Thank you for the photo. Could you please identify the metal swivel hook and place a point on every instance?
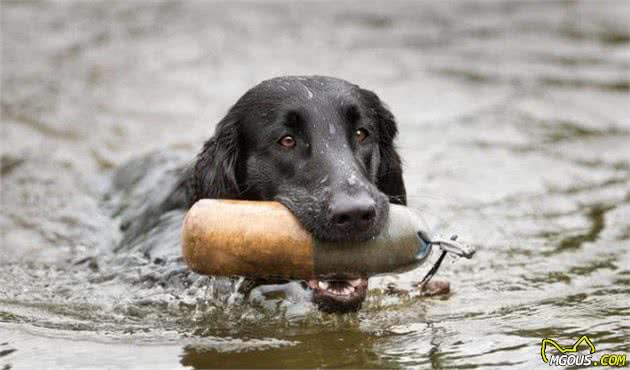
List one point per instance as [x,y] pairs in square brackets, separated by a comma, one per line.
[447,246]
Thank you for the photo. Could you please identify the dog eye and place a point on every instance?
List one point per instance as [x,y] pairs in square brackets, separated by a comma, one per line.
[362,134]
[287,142]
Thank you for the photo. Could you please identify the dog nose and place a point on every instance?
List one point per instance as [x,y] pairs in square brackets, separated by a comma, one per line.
[353,213]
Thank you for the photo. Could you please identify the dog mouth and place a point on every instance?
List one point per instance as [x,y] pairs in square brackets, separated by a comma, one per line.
[339,293]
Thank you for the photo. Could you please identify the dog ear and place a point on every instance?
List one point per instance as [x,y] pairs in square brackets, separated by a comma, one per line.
[214,174]
[389,174]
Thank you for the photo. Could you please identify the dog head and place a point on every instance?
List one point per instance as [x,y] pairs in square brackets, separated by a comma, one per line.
[321,146]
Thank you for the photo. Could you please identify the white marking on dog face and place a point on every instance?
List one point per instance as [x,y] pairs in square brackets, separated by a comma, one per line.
[308,92]
[352,180]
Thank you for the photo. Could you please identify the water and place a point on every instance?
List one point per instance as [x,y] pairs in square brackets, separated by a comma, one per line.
[515,131]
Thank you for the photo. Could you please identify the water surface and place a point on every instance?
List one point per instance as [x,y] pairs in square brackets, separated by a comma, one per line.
[514,128]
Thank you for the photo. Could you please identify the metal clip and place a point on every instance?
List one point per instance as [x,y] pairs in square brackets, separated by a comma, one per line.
[454,247]
[447,246]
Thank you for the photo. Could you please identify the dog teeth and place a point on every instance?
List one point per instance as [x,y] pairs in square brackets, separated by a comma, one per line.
[336,289]
[355,283]
[344,291]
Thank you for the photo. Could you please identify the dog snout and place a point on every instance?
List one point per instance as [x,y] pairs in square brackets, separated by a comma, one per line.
[352,214]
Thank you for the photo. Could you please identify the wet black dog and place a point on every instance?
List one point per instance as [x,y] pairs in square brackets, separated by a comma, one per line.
[321,146]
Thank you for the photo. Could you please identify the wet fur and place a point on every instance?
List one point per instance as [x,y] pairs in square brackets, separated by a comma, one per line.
[221,170]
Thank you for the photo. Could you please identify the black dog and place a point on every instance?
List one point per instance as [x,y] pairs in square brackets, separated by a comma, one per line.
[321,146]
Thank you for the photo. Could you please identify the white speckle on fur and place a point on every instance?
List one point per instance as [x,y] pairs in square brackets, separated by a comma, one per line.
[309,92]
[352,180]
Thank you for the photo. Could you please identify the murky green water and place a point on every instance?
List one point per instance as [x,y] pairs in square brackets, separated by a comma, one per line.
[515,129]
